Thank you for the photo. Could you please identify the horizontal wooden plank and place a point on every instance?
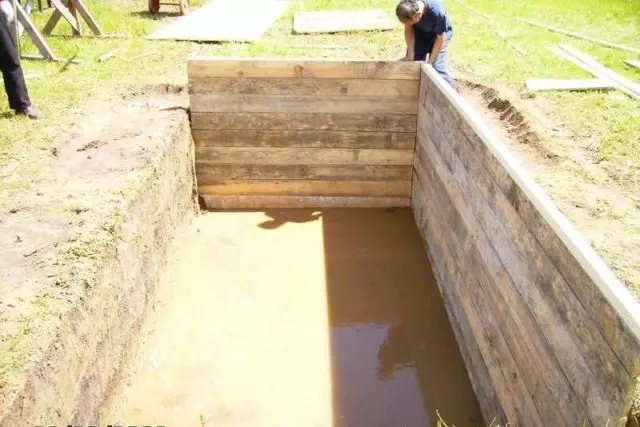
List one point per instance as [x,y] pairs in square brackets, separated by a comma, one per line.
[302,156]
[302,121]
[209,174]
[272,202]
[304,87]
[309,188]
[303,139]
[209,103]
[569,84]
[302,68]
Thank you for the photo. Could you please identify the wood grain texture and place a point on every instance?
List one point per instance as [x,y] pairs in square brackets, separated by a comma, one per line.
[209,174]
[483,386]
[563,336]
[302,68]
[334,21]
[303,139]
[618,335]
[569,84]
[270,202]
[308,188]
[208,103]
[303,156]
[302,121]
[304,87]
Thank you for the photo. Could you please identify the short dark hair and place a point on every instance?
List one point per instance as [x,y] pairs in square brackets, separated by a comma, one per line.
[407,10]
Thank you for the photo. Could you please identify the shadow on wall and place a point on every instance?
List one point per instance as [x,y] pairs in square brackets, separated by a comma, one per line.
[393,354]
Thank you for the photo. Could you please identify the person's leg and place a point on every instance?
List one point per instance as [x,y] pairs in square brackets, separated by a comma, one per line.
[14,82]
[441,65]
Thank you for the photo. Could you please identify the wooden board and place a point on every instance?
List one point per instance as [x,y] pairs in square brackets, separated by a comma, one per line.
[555,337]
[305,87]
[633,63]
[221,21]
[622,83]
[215,103]
[308,188]
[271,202]
[209,174]
[209,67]
[303,139]
[335,21]
[303,156]
[305,122]
[576,84]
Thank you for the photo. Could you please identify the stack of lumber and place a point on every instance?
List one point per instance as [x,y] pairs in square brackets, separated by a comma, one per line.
[289,133]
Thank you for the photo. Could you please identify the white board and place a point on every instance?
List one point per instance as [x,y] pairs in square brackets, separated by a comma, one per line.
[573,84]
[335,21]
[225,21]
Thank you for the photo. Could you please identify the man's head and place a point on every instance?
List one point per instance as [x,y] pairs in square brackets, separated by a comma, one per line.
[409,11]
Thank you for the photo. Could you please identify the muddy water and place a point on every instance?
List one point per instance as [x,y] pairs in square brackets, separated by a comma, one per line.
[299,318]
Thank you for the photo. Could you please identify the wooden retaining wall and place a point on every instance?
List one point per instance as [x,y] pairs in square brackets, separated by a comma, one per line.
[303,133]
[549,336]
[288,133]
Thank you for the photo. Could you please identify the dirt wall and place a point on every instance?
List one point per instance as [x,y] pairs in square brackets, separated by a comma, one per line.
[140,154]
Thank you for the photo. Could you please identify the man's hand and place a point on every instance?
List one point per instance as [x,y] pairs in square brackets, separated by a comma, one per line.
[7,9]
[406,58]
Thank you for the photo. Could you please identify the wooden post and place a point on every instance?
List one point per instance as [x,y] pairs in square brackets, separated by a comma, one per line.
[33,32]
[69,10]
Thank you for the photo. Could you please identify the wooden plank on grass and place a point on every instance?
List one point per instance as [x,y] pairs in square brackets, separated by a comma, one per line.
[625,85]
[302,68]
[632,63]
[303,139]
[210,174]
[335,21]
[303,156]
[219,20]
[206,103]
[309,188]
[579,36]
[273,202]
[573,85]
[303,87]
[305,122]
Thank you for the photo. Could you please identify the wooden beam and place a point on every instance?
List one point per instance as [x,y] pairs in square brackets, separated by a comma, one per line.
[272,202]
[582,84]
[52,22]
[27,8]
[633,63]
[34,34]
[84,12]
[580,36]
[66,14]
[625,85]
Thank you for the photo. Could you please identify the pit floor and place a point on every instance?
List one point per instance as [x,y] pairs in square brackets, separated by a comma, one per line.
[299,318]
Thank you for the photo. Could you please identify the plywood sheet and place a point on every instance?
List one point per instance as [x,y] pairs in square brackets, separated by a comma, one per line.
[341,21]
[222,20]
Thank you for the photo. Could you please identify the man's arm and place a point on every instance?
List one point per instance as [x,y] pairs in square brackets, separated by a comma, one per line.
[437,47]
[6,7]
[410,39]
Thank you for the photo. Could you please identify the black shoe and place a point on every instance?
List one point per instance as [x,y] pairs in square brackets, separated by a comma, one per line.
[30,112]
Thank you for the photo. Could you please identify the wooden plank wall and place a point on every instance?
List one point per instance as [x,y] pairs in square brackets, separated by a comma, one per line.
[549,336]
[303,133]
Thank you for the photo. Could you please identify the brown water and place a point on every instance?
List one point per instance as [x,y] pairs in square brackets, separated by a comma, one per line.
[299,318]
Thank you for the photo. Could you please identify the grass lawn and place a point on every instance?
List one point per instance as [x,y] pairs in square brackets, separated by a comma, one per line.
[606,125]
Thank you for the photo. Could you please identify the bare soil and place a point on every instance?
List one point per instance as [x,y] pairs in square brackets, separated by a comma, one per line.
[83,244]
